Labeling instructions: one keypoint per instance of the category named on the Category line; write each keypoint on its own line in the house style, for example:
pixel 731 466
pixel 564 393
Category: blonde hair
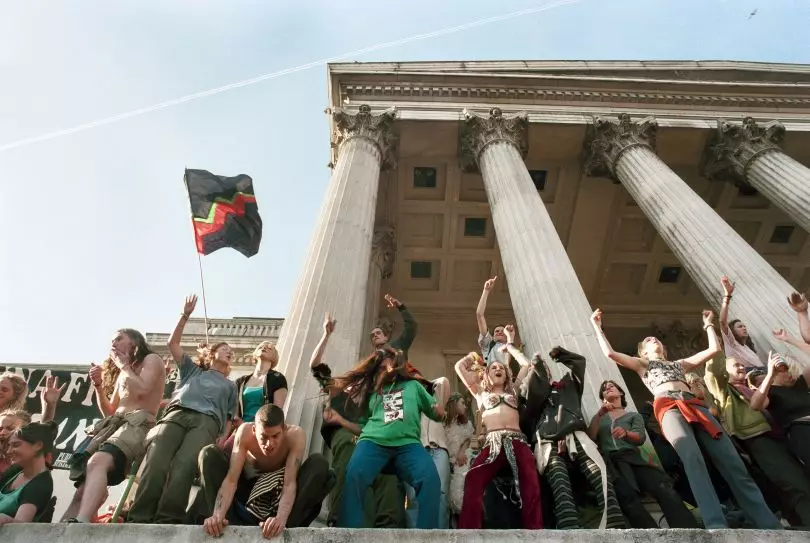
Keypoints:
pixel 23 416
pixel 257 355
pixel 19 387
pixel 508 386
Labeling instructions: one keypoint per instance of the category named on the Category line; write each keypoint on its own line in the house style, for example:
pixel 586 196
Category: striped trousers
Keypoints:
pixel 565 507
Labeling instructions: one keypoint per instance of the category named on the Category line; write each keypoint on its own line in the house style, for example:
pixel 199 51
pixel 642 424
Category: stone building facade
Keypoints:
pixel 630 186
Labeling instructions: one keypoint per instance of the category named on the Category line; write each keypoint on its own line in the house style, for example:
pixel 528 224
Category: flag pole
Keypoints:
pixel 205 304
pixel 199 259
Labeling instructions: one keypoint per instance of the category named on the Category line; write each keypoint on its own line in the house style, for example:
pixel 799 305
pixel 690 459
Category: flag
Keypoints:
pixel 224 212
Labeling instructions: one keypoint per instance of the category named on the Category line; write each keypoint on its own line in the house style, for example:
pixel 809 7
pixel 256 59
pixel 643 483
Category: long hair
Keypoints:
pixel 604 385
pixel 747 342
pixel 110 372
pixel 452 413
pixel 18 387
pixel 257 354
pixel 508 386
pixel 359 382
pixel 205 354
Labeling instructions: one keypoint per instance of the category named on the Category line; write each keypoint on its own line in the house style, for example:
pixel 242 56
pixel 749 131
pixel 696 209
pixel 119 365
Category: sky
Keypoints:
pixel 95 232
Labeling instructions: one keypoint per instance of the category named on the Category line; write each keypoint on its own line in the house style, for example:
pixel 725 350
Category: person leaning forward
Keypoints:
pixel 264 482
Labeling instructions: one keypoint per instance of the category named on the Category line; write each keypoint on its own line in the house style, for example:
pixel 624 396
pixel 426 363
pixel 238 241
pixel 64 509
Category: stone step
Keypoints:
pixel 140 533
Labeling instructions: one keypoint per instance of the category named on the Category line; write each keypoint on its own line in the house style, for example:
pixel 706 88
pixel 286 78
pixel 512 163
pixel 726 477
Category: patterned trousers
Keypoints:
pixel 565 507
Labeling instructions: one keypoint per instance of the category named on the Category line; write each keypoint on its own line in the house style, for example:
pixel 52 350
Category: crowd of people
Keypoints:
pixel 730 426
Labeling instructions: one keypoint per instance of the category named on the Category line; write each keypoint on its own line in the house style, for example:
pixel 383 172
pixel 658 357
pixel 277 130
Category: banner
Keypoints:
pixel 76 410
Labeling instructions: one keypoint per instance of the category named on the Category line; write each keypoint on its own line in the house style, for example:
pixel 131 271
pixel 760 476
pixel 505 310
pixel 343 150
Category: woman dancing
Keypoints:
pixel 689 426
pixel 505 442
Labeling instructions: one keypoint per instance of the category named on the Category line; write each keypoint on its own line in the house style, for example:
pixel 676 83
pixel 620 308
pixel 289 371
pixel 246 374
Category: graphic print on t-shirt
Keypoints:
pixel 392 407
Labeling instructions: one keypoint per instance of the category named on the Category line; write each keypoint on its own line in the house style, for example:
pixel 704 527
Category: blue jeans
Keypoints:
pixel 442 462
pixel 412 464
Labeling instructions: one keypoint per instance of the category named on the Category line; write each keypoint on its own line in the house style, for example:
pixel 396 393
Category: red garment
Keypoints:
pixel 689 410
pixel 479 476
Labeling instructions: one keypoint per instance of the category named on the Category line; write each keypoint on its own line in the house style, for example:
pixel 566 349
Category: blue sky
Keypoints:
pixel 95 233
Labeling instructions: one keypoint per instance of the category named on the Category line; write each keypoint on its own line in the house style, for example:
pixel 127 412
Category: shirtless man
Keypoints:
pixel 264 482
pixel 119 439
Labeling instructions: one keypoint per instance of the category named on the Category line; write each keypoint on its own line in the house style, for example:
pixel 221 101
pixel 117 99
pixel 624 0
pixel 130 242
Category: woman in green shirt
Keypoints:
pixel 393 402
pixel 26 487
pixel 620 433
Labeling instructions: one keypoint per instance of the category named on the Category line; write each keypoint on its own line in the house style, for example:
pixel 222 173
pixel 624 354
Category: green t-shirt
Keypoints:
pixel 396 416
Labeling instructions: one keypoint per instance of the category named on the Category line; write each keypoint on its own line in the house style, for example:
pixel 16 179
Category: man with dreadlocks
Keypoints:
pixel 340 430
pixel 128 393
pixel 505 442
pixel 392 402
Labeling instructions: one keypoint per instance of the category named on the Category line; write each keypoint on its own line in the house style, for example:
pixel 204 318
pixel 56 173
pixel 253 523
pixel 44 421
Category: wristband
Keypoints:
pixel 184 316
pixel 707 326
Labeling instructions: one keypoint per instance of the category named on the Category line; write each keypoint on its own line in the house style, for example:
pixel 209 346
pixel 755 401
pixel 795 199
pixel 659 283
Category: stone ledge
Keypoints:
pixel 137 533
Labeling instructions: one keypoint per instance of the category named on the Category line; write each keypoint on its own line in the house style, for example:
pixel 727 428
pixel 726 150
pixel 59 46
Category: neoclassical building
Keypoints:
pixel 629 186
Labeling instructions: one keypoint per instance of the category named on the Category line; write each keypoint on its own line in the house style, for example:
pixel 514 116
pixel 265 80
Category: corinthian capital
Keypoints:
pixel 384 250
pixel 732 148
pixel 608 139
pixel 479 131
pixel 377 129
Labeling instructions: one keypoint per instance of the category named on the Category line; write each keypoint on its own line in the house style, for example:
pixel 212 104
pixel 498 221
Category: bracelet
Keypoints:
pixel 184 316
pixel 727 297
pixel 710 325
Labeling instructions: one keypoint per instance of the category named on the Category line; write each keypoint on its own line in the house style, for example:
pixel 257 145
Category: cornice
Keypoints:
pixel 382 89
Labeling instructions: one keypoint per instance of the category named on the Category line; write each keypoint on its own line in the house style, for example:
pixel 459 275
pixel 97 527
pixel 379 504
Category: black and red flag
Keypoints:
pixel 224 212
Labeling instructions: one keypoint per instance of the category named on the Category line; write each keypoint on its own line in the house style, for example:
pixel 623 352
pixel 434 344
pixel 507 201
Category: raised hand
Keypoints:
pixel 728 286
pixel 52 391
pixel 775 362
pixel 708 317
pixel 596 318
pixel 606 407
pixel 329 324
pixel 798 302
pixel 489 283
pixel 509 331
pixel 189 305
pixel 392 302
pixel 96 375
pixel 781 334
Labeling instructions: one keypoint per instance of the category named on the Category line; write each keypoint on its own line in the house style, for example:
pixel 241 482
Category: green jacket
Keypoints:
pixel 739 419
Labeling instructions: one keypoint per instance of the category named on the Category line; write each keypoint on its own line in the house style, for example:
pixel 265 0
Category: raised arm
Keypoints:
pixel 728 289
pixel 519 357
pixel 696 360
pixel 273 526
pixel 467 375
pixel 782 335
pixel 482 305
pixel 627 361
pixel 177 335
pixel 760 400
pixel 106 405
pixel 409 326
pixel 328 327
pixel 798 302
pixel 716 378
pixel 49 397
pixel 216 523
pixel 593 427
pixel 442 392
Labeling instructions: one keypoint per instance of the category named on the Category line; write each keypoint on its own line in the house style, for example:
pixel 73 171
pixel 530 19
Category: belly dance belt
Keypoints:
pixel 504 441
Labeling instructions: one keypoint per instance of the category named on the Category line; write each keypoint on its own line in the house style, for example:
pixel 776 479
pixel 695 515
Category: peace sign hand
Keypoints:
pixel 189 305
pixel 52 391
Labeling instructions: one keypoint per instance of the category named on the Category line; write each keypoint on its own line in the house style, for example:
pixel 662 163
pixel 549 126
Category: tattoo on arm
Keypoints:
pixel 218 503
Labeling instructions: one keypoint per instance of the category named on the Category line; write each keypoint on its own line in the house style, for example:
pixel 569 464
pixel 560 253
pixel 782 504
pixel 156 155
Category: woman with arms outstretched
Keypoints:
pixel 689 426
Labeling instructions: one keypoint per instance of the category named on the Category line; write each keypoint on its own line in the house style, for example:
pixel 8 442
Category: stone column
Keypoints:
pixel 701 240
pixel 383 254
pixel 335 273
pixel 750 154
pixel 548 301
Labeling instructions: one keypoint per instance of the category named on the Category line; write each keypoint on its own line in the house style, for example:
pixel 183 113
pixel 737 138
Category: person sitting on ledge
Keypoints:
pixel 264 482
pixel 26 487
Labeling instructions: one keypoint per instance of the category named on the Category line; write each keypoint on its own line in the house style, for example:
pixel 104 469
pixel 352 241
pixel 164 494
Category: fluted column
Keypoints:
pixel 383 253
pixel 701 240
pixel 548 301
pixel 750 154
pixel 335 273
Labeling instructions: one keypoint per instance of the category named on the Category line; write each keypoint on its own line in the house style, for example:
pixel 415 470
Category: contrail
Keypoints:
pixel 280 73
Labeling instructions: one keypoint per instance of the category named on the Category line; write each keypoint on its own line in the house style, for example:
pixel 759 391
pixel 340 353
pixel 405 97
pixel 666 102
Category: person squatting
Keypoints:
pixel 731 436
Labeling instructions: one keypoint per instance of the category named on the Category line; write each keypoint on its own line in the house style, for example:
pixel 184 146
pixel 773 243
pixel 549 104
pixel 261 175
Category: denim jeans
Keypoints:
pixel 412 464
pixel 442 462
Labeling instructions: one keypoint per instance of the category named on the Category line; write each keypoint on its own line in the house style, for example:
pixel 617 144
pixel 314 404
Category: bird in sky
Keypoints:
pixel 753 13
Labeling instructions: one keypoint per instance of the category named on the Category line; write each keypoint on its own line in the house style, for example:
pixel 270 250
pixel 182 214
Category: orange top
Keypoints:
pixel 689 410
